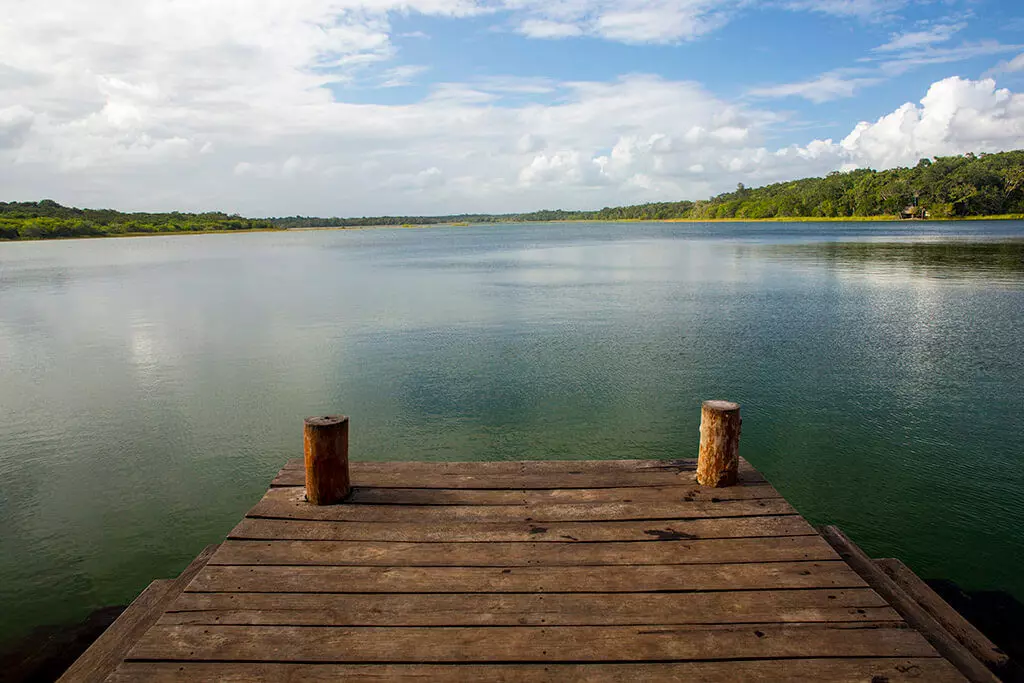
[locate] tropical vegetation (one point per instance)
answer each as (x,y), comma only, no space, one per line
(962,186)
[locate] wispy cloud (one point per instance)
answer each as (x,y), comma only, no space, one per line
(870,10)
(399,76)
(628,21)
(938,33)
(826,87)
(1010,66)
(902,62)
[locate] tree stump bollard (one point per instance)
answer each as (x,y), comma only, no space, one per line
(718,461)
(325,442)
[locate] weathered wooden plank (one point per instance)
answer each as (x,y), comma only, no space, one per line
(892,670)
(109,649)
(969,636)
(288,503)
(526,644)
(915,615)
(627,494)
(478,467)
(747,576)
(541,474)
(525,609)
(501,554)
(555,480)
(524,532)
(113,644)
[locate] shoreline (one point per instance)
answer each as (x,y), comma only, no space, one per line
(459,224)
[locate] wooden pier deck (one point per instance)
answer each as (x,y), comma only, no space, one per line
(523,571)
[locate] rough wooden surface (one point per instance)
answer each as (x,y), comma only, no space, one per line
(530,571)
(719,455)
(107,652)
(948,646)
(862,670)
(325,445)
(983,649)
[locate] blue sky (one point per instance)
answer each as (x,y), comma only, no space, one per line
(352,107)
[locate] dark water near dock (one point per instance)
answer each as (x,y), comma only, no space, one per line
(151,387)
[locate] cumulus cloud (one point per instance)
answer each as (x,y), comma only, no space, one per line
(196,105)
(955,116)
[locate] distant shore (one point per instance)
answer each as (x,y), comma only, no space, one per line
(791,219)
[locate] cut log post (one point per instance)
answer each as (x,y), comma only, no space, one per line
(718,461)
(325,442)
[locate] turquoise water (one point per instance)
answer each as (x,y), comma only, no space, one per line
(151,387)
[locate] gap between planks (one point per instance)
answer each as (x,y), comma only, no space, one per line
(440,609)
(892,670)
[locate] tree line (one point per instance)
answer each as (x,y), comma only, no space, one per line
(943,187)
(47,219)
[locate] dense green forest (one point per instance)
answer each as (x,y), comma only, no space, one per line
(48,219)
(944,187)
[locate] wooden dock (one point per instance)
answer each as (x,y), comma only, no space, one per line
(527,571)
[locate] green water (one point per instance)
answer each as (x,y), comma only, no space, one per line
(151,387)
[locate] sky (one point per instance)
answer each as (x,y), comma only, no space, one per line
(372,107)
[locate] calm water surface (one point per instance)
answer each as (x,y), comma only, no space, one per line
(150,388)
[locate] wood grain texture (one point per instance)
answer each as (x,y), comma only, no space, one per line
(626,494)
(325,465)
(746,576)
(915,615)
(110,648)
(983,649)
(523,532)
(289,503)
(719,453)
(530,571)
(500,554)
(861,670)
(527,644)
(553,474)
(522,609)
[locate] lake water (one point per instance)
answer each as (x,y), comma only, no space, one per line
(151,387)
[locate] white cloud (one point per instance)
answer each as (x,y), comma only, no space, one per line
(543,28)
(875,10)
(1009,66)
(912,58)
(938,33)
(399,76)
(955,116)
(827,86)
(628,21)
(199,105)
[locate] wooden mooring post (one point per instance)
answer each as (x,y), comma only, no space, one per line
(325,442)
(718,461)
